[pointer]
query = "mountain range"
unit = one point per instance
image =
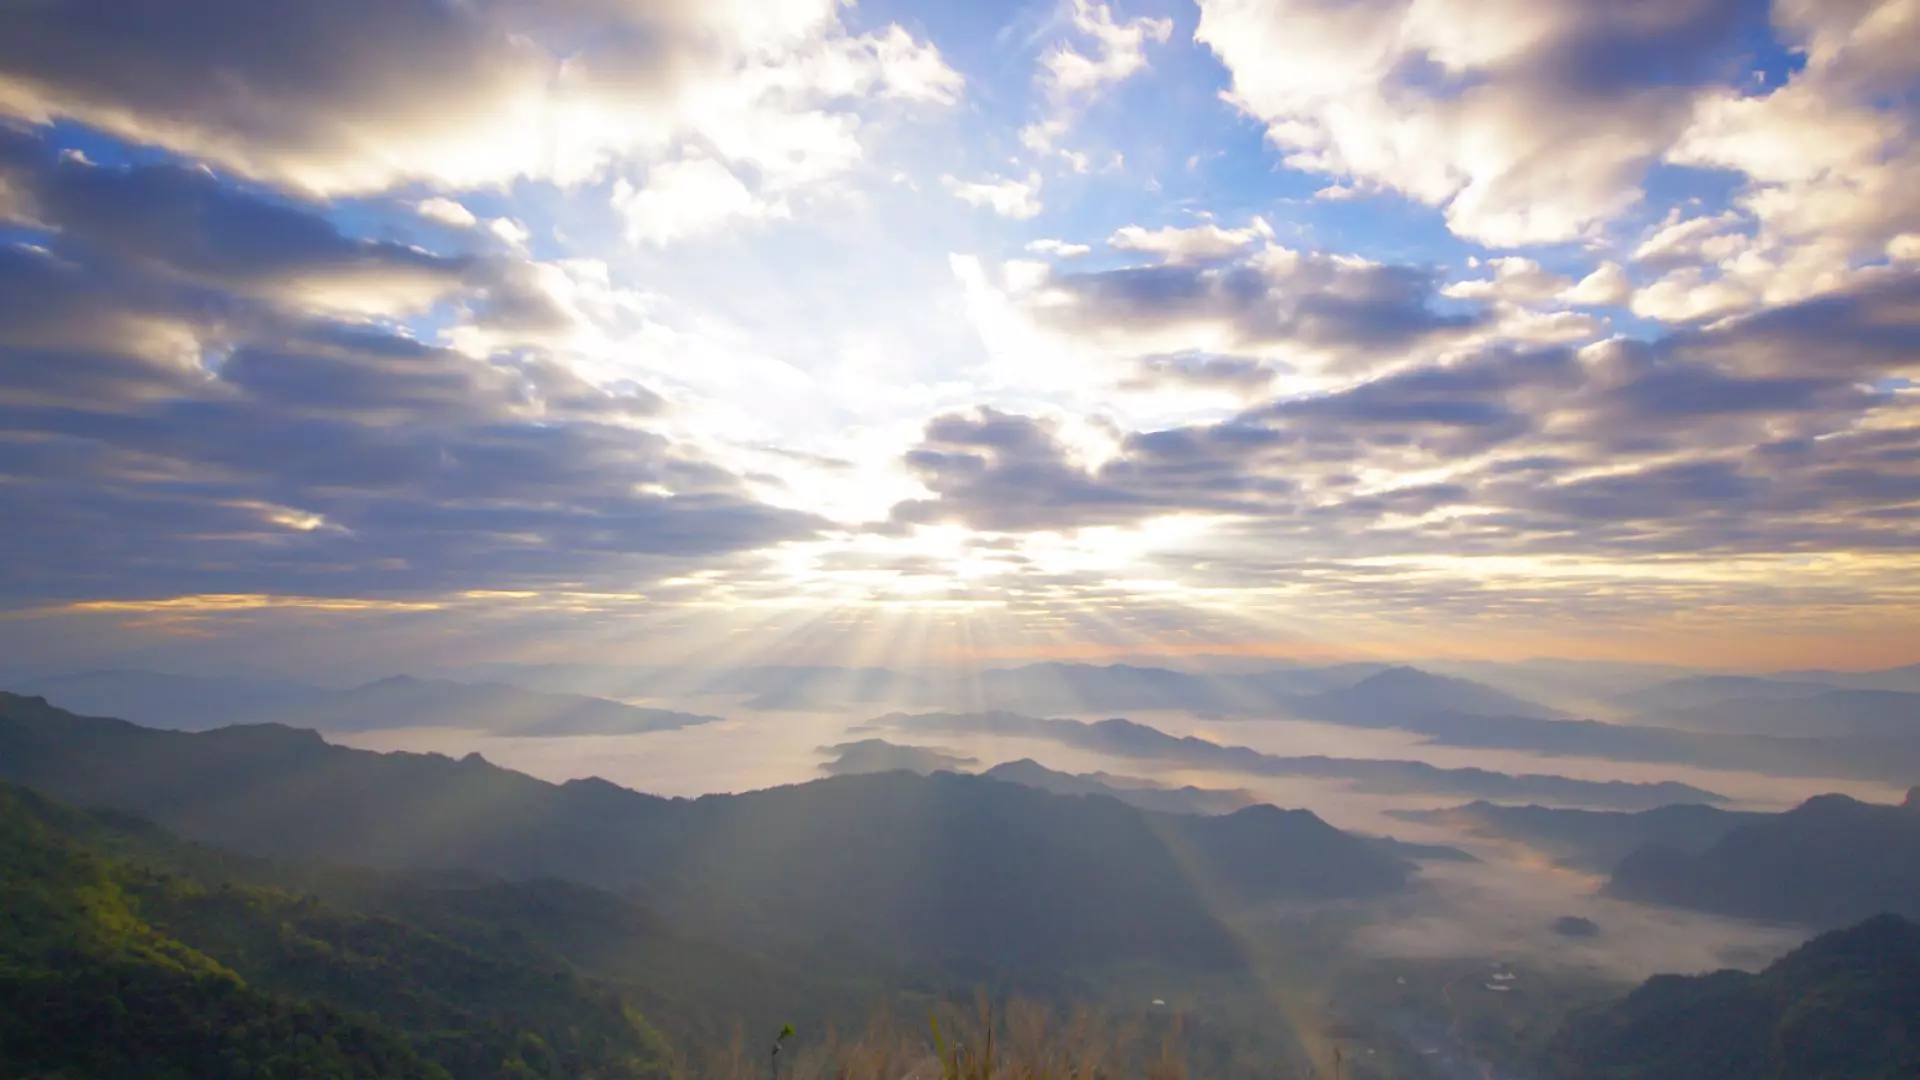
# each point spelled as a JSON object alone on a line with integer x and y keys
{"x": 879, "y": 755}
{"x": 894, "y": 868}
{"x": 190, "y": 703}
{"x": 1125, "y": 738}
{"x": 1768, "y": 725}
{"x": 1591, "y": 840}
{"x": 1832, "y": 860}
{"x": 1844, "y": 1006}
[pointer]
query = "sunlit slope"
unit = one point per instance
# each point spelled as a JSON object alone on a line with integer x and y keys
{"x": 205, "y": 973}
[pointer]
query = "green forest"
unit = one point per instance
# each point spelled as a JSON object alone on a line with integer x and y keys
{"x": 111, "y": 968}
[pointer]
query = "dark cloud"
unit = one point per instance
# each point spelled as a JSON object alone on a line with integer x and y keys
{"x": 1003, "y": 472}
{"x": 1672, "y": 447}
{"x": 1204, "y": 371}
{"x": 1866, "y": 329}
{"x": 267, "y": 89}
{"x": 354, "y": 96}
{"x": 168, "y": 426}
{"x": 1340, "y": 307}
{"x": 183, "y": 228}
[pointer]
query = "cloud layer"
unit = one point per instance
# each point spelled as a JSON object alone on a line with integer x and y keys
{"x": 1233, "y": 320}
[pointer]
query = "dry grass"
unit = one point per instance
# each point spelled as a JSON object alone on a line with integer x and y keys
{"x": 1021, "y": 1041}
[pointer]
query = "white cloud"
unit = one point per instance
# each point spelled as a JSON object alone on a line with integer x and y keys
{"x": 1199, "y": 242}
{"x": 1019, "y": 199}
{"x": 1119, "y": 50}
{"x": 686, "y": 198}
{"x": 1059, "y": 249}
{"x": 369, "y": 94}
{"x": 1682, "y": 241}
{"x": 1508, "y": 113}
{"x": 1607, "y": 286}
{"x": 1829, "y": 157}
{"x": 1690, "y": 294}
{"x": 1515, "y": 281}
{"x": 446, "y": 212}
{"x": 511, "y": 230}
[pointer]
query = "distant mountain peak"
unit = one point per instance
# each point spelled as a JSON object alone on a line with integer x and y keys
{"x": 1913, "y": 798}
{"x": 1829, "y": 802}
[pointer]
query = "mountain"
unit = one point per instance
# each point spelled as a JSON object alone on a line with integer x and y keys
{"x": 1379, "y": 700}
{"x": 1145, "y": 794}
{"x": 111, "y": 969}
{"x": 1830, "y": 861}
{"x": 1886, "y": 759}
{"x": 1844, "y": 1006}
{"x": 892, "y": 867}
{"x": 1591, "y": 840}
{"x": 1904, "y": 679}
{"x": 191, "y": 703}
{"x": 1872, "y": 714}
{"x": 1697, "y": 690}
{"x": 496, "y": 708}
{"x": 186, "y": 702}
{"x": 879, "y": 755}
{"x": 1125, "y": 738}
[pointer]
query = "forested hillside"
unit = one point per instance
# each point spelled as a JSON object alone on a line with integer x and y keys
{"x": 112, "y": 969}
{"x": 1845, "y": 1006}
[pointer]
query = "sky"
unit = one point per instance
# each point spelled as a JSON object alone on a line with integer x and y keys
{"x": 413, "y": 332}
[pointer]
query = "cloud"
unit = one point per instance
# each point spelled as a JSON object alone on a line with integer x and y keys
{"x": 686, "y": 198}
{"x": 1236, "y": 374}
{"x": 1195, "y": 244}
{"x": 1017, "y": 199}
{"x": 446, "y": 212}
{"x": 1607, "y": 285}
{"x": 1527, "y": 121}
{"x": 1515, "y": 281}
{"x": 1826, "y": 156}
{"x": 1119, "y": 50}
{"x": 347, "y": 96}
{"x": 1059, "y": 249}
{"x": 1750, "y": 438}
{"x": 190, "y": 406}
{"x": 1309, "y": 309}
{"x": 200, "y": 234}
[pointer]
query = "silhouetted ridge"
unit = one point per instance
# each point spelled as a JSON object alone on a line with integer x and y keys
{"x": 1844, "y": 1006}
{"x": 1830, "y": 861}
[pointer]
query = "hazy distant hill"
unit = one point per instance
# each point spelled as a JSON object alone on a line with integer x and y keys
{"x": 893, "y": 865}
{"x": 1830, "y": 861}
{"x": 1696, "y": 690}
{"x": 1379, "y": 700}
{"x": 879, "y": 755}
{"x": 1873, "y": 714}
{"x": 1844, "y": 1006}
{"x": 196, "y": 704}
{"x": 1593, "y": 840}
{"x": 1904, "y": 679}
{"x": 1125, "y": 738}
{"x": 1145, "y": 794}
{"x": 187, "y": 702}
